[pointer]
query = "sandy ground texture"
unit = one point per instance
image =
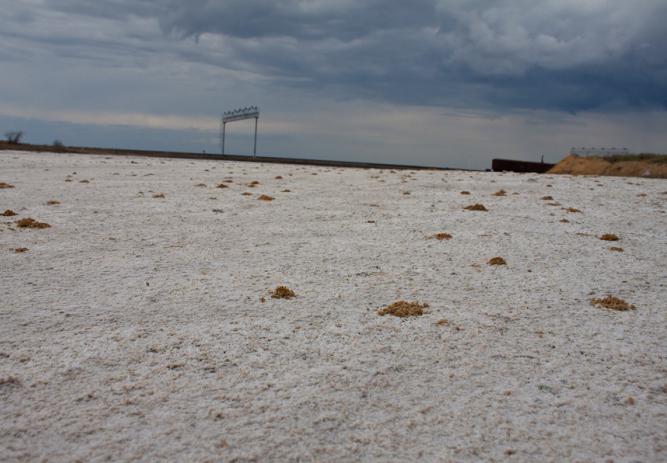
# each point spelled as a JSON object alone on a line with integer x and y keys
{"x": 141, "y": 328}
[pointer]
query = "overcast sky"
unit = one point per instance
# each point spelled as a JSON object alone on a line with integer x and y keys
{"x": 435, "y": 82}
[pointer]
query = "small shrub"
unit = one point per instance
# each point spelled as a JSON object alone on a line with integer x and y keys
{"x": 4, "y": 186}
{"x": 403, "y": 309}
{"x": 476, "y": 207}
{"x": 14, "y": 137}
{"x": 8, "y": 213}
{"x": 442, "y": 236}
{"x": 31, "y": 223}
{"x": 612, "y": 303}
{"x": 609, "y": 237}
{"x": 282, "y": 292}
{"x": 497, "y": 261}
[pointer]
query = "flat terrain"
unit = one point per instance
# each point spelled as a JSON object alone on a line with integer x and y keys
{"x": 140, "y": 327}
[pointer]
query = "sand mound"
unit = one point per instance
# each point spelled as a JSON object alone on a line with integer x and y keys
{"x": 612, "y": 303}
{"x": 31, "y": 223}
{"x": 403, "y": 309}
{"x": 282, "y": 292}
{"x": 576, "y": 165}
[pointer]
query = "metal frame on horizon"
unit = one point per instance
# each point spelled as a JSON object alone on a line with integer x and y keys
{"x": 251, "y": 112}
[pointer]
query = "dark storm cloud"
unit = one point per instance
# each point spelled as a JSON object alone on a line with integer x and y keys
{"x": 551, "y": 54}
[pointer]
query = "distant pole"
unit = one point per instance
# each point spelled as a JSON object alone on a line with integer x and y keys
{"x": 223, "y": 138}
{"x": 254, "y": 150}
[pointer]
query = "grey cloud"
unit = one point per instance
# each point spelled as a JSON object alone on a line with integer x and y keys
{"x": 507, "y": 54}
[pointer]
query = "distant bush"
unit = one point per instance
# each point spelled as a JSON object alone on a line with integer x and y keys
{"x": 58, "y": 144}
{"x": 14, "y": 137}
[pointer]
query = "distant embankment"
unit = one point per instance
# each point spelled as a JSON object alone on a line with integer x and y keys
{"x": 511, "y": 165}
{"x": 215, "y": 157}
{"x": 640, "y": 165}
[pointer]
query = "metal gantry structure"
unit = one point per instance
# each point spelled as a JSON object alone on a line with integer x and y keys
{"x": 251, "y": 112}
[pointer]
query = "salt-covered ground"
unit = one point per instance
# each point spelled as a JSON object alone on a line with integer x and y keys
{"x": 134, "y": 327}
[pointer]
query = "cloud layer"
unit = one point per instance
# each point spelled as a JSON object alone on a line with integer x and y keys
{"x": 551, "y": 54}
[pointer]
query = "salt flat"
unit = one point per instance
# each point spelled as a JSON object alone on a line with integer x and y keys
{"x": 134, "y": 327}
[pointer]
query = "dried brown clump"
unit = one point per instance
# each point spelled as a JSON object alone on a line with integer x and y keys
{"x": 84, "y": 181}
{"x": 572, "y": 210}
{"x": 465, "y": 193}
{"x": 282, "y": 292}
{"x": 265, "y": 198}
{"x": 403, "y": 309}
{"x": 52, "y": 202}
{"x": 20, "y": 250}
{"x": 4, "y": 185}
{"x": 442, "y": 236}
{"x": 158, "y": 195}
{"x": 547, "y": 198}
{"x": 476, "y": 207}
{"x": 253, "y": 184}
{"x": 616, "y": 249}
{"x": 8, "y": 213}
{"x": 222, "y": 185}
{"x": 246, "y": 193}
{"x": 442, "y": 322}
{"x": 278, "y": 177}
{"x": 609, "y": 237}
{"x": 31, "y": 223}
{"x": 564, "y": 221}
{"x": 497, "y": 261}
{"x": 500, "y": 193}
{"x": 612, "y": 303}
{"x": 287, "y": 191}
{"x": 201, "y": 185}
